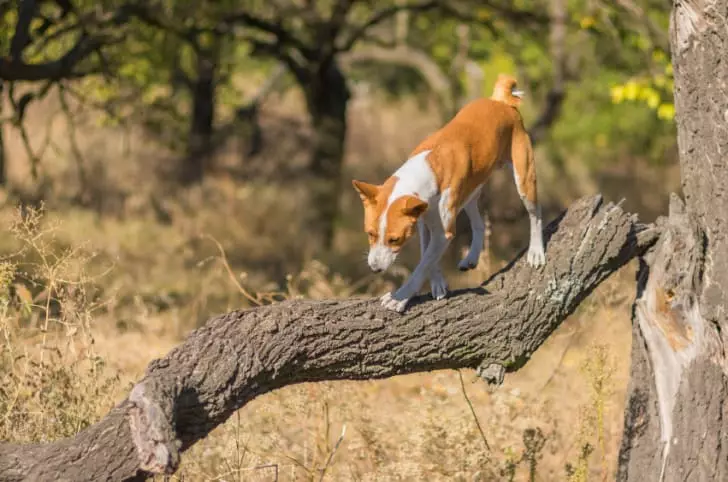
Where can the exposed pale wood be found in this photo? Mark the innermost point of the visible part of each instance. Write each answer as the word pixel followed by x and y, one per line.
pixel 676 425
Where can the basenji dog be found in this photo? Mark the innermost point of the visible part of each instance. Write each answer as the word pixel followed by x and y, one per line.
pixel 443 176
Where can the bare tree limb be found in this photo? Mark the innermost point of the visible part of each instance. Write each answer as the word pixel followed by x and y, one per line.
pixel 62 68
pixel 21 37
pixel 146 13
pixel 466 12
pixel 239 356
pixel 94 29
pixel 382 15
pixel 284 38
pixel 338 19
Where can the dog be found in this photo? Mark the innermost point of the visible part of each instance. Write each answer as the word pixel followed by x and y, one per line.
pixel 443 176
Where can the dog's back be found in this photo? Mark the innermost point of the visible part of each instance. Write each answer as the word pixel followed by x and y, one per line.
pixel 480 135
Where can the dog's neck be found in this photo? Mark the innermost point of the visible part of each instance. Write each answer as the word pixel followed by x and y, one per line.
pixel 415 178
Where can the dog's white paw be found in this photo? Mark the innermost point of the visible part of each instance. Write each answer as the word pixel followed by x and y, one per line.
pixel 438 287
pixel 468 262
pixel 536 257
pixel 389 302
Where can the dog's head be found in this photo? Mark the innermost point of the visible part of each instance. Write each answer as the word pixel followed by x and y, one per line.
pixel 389 223
pixel 506 90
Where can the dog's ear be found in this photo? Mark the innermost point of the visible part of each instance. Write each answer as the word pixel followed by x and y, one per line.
pixel 367 192
pixel 414 206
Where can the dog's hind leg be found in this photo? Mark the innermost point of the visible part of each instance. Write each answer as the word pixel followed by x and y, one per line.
pixel 477 226
pixel 524 174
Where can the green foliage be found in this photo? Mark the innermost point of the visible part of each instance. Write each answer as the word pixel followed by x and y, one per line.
pixel 594 129
pixel 618 80
pixel 656 90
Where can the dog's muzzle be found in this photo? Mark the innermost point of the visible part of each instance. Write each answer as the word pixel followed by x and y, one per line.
pixel 380 258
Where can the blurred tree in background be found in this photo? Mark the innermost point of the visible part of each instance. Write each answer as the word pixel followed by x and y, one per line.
pixel 597 73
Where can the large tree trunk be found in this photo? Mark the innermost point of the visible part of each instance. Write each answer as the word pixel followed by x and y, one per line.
pixel 676 426
pixel 327 96
pixel 199 144
pixel 237 357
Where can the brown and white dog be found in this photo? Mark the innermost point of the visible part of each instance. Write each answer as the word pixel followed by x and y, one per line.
pixel 443 176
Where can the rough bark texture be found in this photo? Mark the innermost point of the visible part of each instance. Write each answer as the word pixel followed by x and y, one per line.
pixel 241 355
pixel 676 425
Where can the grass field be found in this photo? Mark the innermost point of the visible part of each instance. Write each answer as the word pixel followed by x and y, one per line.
pixel 90 294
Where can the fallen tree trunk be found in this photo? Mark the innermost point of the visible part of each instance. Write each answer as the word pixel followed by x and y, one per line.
pixel 241 355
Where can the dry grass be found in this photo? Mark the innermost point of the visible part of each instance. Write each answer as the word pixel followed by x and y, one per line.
pixel 52 382
pixel 88 296
pixel 57 364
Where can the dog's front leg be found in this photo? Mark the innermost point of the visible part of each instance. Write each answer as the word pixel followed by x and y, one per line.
pixel 438 285
pixel 437 245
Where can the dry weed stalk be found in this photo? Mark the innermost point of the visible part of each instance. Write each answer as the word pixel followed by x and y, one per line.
pixel 598 370
pixel 52 383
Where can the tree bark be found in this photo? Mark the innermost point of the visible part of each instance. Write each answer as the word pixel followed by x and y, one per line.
pixel 237 357
pixel 676 425
pixel 327 97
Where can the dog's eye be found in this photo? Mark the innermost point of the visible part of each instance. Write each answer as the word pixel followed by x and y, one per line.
pixel 394 240
pixel 371 234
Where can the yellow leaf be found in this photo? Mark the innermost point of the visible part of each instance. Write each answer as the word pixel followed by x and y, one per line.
pixel 631 90
pixel 617 93
pixel 653 99
pixel 587 22
pixel 666 111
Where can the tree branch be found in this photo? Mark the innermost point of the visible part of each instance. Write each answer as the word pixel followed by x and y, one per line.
pixel 382 15
pixel 21 37
pixel 517 16
pixel 275 28
pixel 145 13
pixel 54 70
pixel 338 18
pixel 239 356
